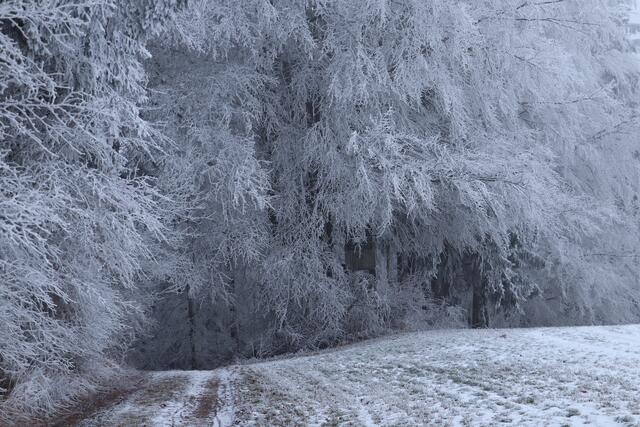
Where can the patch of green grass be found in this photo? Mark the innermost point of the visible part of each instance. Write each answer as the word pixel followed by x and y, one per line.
pixel 527 400
pixel 625 419
pixel 336 418
pixel 572 412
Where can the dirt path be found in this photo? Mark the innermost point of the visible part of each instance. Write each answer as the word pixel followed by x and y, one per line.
pixel 170 398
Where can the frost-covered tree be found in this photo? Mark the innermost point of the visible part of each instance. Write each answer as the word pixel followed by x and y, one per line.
pixel 326 171
pixel 216 190
pixel 476 152
pixel 75 212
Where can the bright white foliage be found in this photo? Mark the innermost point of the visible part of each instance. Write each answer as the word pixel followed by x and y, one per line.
pixel 470 136
pixel 73 212
pixel 488 147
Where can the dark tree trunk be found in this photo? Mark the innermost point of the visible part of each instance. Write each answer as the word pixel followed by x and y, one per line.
pixel 192 329
pixel 473 274
pixel 441 283
pixel 479 314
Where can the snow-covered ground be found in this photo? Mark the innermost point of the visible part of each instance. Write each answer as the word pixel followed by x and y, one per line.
pixel 549 376
pixel 171 398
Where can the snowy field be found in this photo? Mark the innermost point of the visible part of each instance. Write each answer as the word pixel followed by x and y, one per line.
pixel 549 376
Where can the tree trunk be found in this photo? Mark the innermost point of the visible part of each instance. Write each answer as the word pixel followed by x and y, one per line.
pixel 192 329
pixel 473 274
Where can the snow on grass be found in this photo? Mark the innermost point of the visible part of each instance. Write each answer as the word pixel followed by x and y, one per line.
pixel 523 377
pixel 225 415
pixel 550 376
pixel 177 409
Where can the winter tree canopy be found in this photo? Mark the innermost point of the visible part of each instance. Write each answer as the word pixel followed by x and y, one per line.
pixel 182 183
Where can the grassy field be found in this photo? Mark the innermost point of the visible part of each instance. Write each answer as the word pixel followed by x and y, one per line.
pixel 548 376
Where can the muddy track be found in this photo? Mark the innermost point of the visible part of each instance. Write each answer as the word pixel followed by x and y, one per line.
pixel 172 398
